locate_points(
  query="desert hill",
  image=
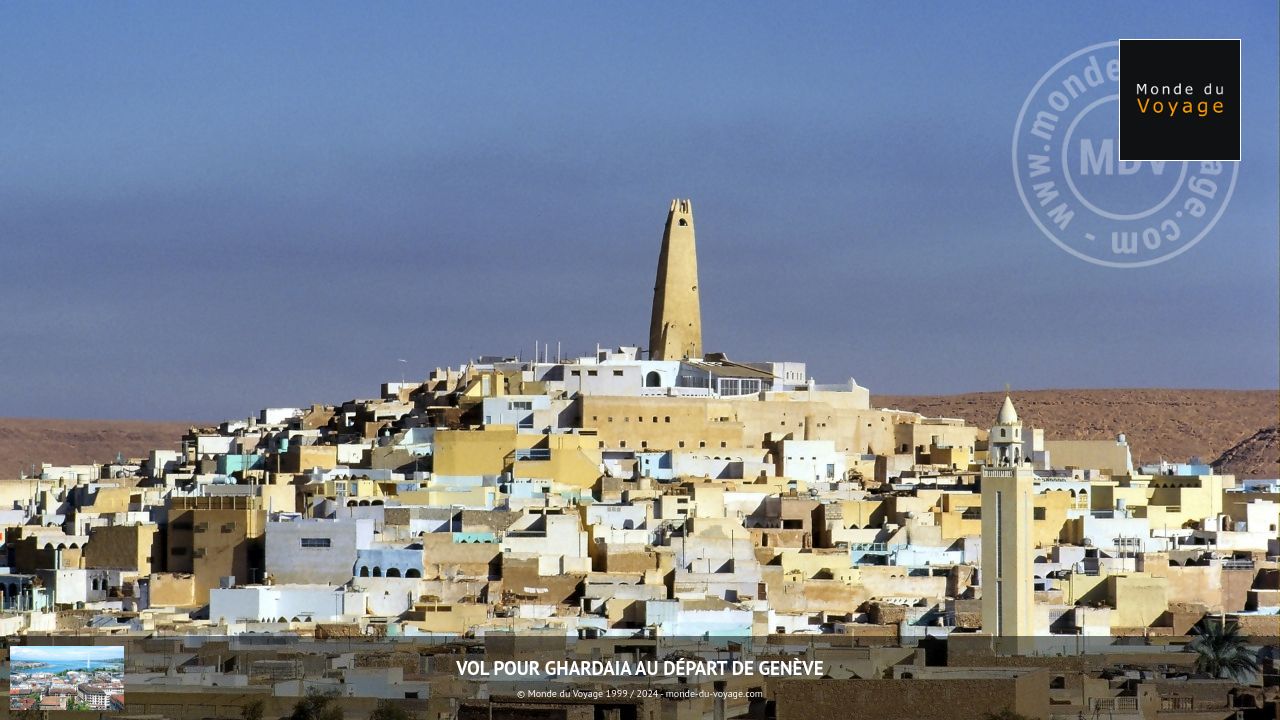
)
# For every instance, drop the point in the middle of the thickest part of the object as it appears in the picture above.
(1256, 456)
(1173, 425)
(1237, 427)
(28, 441)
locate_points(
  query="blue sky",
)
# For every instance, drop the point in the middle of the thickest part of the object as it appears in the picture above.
(68, 653)
(207, 210)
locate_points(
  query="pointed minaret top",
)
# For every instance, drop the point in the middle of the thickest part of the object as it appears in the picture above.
(1007, 416)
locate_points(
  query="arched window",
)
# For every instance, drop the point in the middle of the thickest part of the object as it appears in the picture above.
(377, 572)
(652, 379)
(412, 573)
(364, 571)
(393, 572)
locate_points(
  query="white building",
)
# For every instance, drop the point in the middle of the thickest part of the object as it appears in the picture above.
(316, 551)
(810, 460)
(284, 603)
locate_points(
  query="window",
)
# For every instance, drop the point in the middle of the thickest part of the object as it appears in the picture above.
(592, 373)
(617, 373)
(316, 542)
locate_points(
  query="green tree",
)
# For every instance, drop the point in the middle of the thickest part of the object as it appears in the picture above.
(1221, 651)
(1005, 714)
(317, 706)
(252, 710)
(389, 710)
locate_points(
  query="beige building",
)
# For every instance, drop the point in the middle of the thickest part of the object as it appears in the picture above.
(216, 537)
(124, 547)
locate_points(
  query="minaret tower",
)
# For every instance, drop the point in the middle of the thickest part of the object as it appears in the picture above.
(675, 328)
(1008, 545)
(1004, 444)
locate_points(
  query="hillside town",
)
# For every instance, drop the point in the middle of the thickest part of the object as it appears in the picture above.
(631, 496)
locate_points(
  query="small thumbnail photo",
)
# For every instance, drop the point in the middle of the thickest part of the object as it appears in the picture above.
(66, 677)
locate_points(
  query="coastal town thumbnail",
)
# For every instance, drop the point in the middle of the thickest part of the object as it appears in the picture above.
(70, 677)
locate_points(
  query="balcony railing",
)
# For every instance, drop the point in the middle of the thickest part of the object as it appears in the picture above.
(1115, 705)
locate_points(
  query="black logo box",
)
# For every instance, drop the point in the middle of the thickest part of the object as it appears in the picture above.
(1187, 68)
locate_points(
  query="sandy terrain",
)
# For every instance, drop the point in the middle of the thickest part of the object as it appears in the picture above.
(1170, 424)
(24, 441)
(1256, 456)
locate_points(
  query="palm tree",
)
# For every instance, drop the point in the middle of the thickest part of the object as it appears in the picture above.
(1222, 651)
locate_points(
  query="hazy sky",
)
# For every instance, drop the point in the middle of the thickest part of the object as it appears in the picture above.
(209, 209)
(67, 653)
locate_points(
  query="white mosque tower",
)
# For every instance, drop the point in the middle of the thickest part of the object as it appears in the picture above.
(1008, 545)
(1005, 441)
